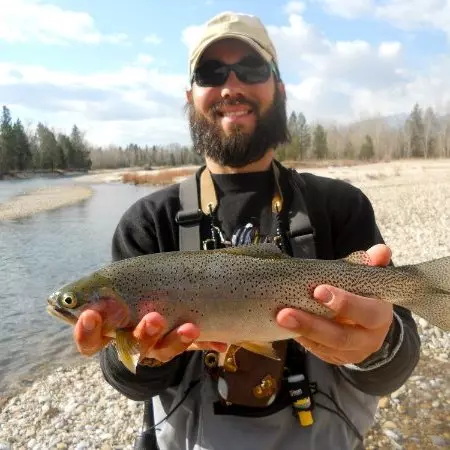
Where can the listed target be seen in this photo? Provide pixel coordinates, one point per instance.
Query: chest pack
(247, 382)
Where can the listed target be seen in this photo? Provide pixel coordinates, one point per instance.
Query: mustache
(216, 107)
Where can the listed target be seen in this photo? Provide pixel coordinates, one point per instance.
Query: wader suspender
(301, 237)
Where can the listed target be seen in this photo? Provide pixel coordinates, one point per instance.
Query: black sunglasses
(249, 70)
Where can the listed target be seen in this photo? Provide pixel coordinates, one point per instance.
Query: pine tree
(49, 149)
(349, 149)
(7, 142)
(367, 151)
(22, 147)
(81, 152)
(290, 150)
(415, 132)
(431, 131)
(304, 135)
(67, 148)
(320, 144)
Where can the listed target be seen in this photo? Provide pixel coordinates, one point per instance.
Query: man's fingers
(330, 355)
(174, 343)
(148, 331)
(323, 331)
(380, 255)
(370, 313)
(88, 333)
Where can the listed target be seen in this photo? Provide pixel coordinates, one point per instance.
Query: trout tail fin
(434, 306)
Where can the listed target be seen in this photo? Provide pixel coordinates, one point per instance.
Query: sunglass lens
(252, 70)
(211, 73)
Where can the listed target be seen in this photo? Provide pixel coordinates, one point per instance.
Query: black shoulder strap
(301, 232)
(189, 216)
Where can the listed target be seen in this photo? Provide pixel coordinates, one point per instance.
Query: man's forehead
(226, 48)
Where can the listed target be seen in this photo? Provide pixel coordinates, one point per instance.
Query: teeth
(235, 113)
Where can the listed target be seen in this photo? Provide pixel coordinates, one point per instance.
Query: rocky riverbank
(73, 408)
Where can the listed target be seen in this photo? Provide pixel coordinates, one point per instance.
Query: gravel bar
(44, 199)
(74, 408)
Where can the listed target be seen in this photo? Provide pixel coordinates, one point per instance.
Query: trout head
(95, 292)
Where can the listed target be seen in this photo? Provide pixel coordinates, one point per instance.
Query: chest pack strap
(189, 216)
(301, 233)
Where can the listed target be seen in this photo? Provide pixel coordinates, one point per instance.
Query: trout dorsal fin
(262, 251)
(359, 257)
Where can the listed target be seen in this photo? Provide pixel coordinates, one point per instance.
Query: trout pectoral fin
(127, 349)
(261, 348)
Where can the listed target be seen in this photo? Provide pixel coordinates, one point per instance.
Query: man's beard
(239, 148)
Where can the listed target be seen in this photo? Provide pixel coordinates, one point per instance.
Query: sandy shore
(44, 199)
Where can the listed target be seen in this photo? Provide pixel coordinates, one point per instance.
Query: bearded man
(236, 107)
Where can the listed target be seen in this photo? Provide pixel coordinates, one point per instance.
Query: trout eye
(69, 301)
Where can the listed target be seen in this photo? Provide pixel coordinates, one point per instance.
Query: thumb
(88, 333)
(380, 255)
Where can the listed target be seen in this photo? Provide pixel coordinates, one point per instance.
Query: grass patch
(159, 177)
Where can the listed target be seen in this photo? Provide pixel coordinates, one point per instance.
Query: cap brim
(204, 45)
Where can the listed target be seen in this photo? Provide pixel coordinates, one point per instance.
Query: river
(37, 255)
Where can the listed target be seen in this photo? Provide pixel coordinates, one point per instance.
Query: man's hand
(150, 334)
(358, 329)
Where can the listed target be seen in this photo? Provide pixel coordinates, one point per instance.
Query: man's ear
(189, 96)
(282, 89)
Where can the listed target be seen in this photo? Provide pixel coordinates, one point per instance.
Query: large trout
(234, 294)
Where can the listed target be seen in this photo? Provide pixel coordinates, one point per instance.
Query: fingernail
(151, 330)
(89, 323)
(185, 339)
(290, 322)
(324, 295)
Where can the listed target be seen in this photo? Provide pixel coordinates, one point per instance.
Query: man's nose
(232, 87)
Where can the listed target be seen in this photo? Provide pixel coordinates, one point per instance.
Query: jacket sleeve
(135, 235)
(387, 369)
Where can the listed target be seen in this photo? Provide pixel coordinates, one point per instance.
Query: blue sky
(118, 69)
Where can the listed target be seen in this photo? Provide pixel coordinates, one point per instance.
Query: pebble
(390, 425)
(418, 414)
(439, 441)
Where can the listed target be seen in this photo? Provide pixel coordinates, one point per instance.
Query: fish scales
(237, 296)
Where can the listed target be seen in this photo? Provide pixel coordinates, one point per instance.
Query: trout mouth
(62, 314)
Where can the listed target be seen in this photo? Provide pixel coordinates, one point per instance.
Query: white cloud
(131, 103)
(390, 49)
(344, 80)
(152, 39)
(143, 59)
(294, 7)
(416, 14)
(191, 35)
(349, 9)
(33, 20)
(402, 14)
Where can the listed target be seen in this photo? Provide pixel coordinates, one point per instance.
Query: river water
(37, 255)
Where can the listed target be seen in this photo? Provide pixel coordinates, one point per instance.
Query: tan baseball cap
(245, 27)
